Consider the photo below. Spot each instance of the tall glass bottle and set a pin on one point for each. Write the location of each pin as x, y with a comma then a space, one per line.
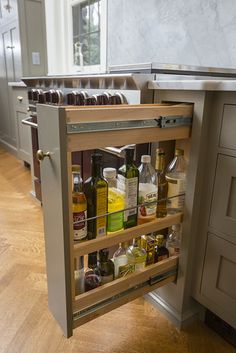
136, 255
96, 191
176, 177
174, 239
79, 205
147, 190
161, 252
92, 275
122, 268
148, 243
127, 181
106, 266
162, 185
116, 202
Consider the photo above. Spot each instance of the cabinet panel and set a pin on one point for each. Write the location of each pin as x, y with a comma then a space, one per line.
223, 210
227, 136
219, 273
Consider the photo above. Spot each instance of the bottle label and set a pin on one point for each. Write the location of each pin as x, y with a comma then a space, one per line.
176, 187
139, 266
115, 222
101, 208
129, 187
106, 279
126, 270
173, 250
80, 229
147, 193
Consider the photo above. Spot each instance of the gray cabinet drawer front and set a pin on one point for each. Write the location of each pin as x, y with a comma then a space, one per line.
228, 128
219, 274
223, 209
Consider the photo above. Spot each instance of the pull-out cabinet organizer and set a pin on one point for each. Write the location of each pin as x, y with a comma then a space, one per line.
63, 130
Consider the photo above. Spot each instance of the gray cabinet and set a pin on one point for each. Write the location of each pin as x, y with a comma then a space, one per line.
218, 280
223, 210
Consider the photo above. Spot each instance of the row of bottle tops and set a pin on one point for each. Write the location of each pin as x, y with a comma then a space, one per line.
58, 97
144, 251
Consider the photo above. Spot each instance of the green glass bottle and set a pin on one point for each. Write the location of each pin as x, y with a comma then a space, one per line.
96, 191
106, 266
128, 182
162, 184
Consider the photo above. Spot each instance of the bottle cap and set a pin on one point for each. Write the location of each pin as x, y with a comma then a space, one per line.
179, 152
159, 236
146, 158
160, 151
109, 173
96, 157
76, 168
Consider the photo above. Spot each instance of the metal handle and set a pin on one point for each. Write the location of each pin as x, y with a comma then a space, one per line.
41, 155
10, 47
119, 152
20, 98
27, 121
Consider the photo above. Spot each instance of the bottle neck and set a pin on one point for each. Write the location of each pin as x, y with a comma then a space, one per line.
92, 260
77, 183
96, 170
129, 156
160, 163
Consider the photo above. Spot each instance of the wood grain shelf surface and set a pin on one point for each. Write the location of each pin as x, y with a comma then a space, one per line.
112, 239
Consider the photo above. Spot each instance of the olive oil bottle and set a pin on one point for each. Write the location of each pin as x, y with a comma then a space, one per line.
96, 191
162, 184
128, 182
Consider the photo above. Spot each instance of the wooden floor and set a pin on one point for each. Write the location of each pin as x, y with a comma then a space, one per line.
26, 325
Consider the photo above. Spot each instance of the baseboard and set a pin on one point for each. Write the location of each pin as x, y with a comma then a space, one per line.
8, 147
180, 320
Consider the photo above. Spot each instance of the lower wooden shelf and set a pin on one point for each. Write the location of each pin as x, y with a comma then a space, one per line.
101, 300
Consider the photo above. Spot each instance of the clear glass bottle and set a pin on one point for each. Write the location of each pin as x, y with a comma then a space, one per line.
79, 205
176, 177
116, 202
174, 240
162, 185
79, 275
122, 268
136, 255
147, 190
92, 275
96, 191
161, 252
106, 266
148, 243
127, 181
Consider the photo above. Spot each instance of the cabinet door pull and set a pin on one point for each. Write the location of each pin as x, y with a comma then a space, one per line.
20, 98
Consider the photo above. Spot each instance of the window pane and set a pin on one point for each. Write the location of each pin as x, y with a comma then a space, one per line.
84, 17
95, 48
94, 16
84, 40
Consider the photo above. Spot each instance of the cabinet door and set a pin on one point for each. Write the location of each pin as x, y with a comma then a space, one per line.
218, 282
24, 138
223, 210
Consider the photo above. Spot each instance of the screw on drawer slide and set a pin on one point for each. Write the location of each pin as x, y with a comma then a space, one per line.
161, 122
151, 281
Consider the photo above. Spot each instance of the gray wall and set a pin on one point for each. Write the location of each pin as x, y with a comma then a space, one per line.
195, 32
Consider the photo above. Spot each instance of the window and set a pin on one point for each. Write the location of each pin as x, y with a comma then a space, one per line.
76, 35
86, 32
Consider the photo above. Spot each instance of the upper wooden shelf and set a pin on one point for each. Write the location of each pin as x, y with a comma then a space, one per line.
125, 235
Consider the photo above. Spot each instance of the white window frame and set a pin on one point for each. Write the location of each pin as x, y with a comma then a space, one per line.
60, 38
103, 40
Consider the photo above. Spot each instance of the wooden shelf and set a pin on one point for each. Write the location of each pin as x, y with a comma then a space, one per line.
125, 235
97, 302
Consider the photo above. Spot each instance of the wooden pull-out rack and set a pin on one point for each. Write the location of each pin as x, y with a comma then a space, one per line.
63, 130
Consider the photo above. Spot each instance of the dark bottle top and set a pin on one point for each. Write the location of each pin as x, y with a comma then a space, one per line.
92, 276
96, 191
161, 252
106, 266
128, 182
